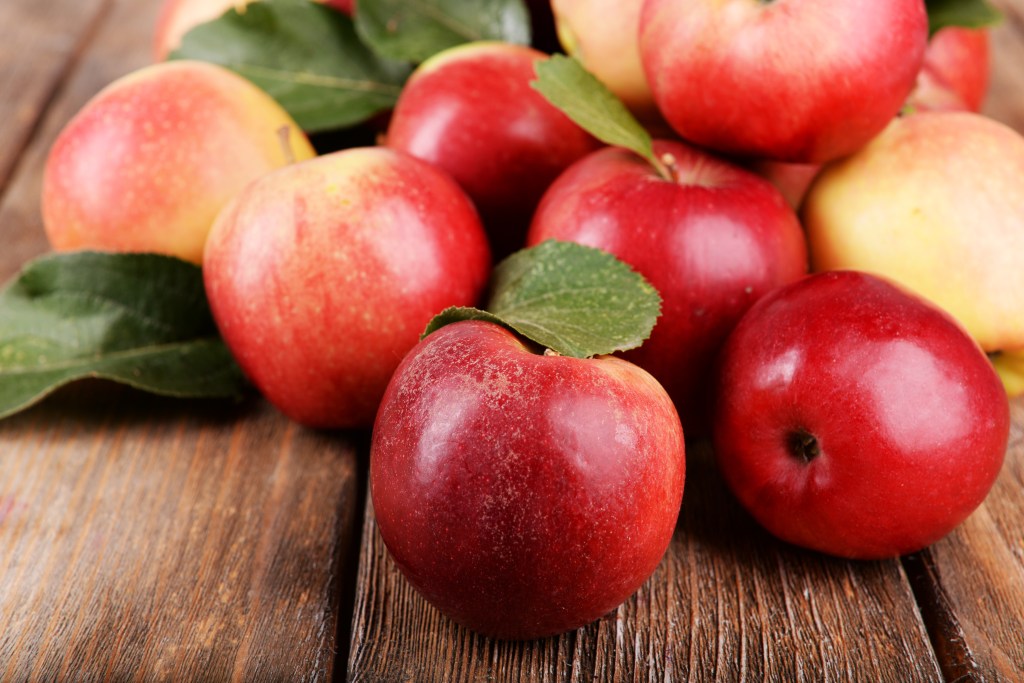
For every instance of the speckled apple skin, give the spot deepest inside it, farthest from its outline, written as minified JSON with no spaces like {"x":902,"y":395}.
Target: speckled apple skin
{"x":712,"y":243}
{"x":790,"y":80}
{"x":470,"y":110}
{"x":146,"y":165}
{"x":322,"y":276}
{"x":909,"y":416}
{"x":523,"y":494}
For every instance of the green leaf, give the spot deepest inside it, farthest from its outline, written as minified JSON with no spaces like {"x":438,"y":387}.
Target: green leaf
{"x":575,"y":300}
{"x":139,"y":319}
{"x":306,"y":55}
{"x":567,"y":85}
{"x":415,"y":30}
{"x":967,"y":13}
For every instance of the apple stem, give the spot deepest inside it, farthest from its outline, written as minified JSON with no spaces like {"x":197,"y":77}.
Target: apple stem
{"x":551,"y":352}
{"x":666,"y":166}
{"x":803,"y":445}
{"x":284,"y":136}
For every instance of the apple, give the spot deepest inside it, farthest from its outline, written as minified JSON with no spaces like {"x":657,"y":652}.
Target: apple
{"x":322,"y":276}
{"x":602,"y":34}
{"x":856,"y":419}
{"x":470,"y":111}
{"x":712,"y":240}
{"x":955,"y":72}
{"x":150,"y":160}
{"x":792,"y":180}
{"x":935,"y":203}
{"x":178,"y":17}
{"x":522,"y":493}
{"x":789,"y":80}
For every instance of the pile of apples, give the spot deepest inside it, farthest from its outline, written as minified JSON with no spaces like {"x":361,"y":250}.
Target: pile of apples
{"x":526,"y":493}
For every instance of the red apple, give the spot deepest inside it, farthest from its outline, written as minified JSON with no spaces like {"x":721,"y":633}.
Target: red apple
{"x":712,"y":241}
{"x":148,"y":163}
{"x":788,"y":80}
{"x":955,"y":71}
{"x":178,"y":17}
{"x":856,"y":419}
{"x":470,"y":110}
{"x":792,"y":180}
{"x":523,"y":494}
{"x":323,"y":275}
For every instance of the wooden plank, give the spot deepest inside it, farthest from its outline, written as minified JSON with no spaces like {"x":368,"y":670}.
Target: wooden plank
{"x":147,"y":539}
{"x":728,"y":602}
{"x":38,"y":43}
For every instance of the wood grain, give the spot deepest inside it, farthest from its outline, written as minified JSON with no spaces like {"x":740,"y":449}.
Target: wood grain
{"x":38,"y":43}
{"x":147,"y":539}
{"x":727,"y":603}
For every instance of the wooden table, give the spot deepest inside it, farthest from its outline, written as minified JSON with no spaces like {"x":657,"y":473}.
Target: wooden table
{"x":147,"y":539}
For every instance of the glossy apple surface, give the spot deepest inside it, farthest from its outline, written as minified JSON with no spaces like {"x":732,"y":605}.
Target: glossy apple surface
{"x":712,"y":242}
{"x":323,"y":275}
{"x":935,"y":203}
{"x":856,"y":419}
{"x":470,"y":110}
{"x":150,"y":160}
{"x":955,"y":73}
{"x":788,"y":80}
{"x":178,"y":17}
{"x":523,"y":494}
{"x":602,"y":34}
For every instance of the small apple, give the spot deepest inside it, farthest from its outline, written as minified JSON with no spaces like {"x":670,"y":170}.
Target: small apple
{"x":792,"y":180}
{"x":178,"y":17}
{"x":322,"y":276}
{"x":150,"y":160}
{"x":712,"y":241}
{"x":602,"y":34}
{"x":935,"y":203}
{"x":470,"y":111}
{"x":856,"y":419}
{"x":788,"y":80}
{"x":523,"y":494}
{"x":955,"y":72}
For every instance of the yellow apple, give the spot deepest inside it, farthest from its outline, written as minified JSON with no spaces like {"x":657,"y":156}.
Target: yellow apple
{"x":936,"y":202}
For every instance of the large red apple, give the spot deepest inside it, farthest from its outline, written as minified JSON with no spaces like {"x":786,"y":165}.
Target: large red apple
{"x":148,"y":163}
{"x":470,"y":110}
{"x":789,"y":80}
{"x":955,"y":72}
{"x":322,"y":276}
{"x":522,"y":493}
{"x":856,"y":419}
{"x":712,"y":240}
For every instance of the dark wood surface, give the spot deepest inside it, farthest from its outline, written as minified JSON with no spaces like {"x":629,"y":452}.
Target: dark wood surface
{"x":148,"y":539}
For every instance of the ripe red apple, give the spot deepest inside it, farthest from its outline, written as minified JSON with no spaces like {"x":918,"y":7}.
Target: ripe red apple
{"x":470,"y":110}
{"x":178,"y":17}
{"x":712,"y":241}
{"x":523,"y":494}
{"x":150,"y":160}
{"x":788,"y":80}
{"x":322,"y":276}
{"x":602,"y":34}
{"x":792,"y":180}
{"x":955,"y":71}
{"x":856,"y":419}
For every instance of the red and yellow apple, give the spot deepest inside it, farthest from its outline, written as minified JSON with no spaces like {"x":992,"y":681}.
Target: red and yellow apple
{"x":148,"y":163}
{"x":524,"y":494}
{"x":787,"y":80}
{"x":322,"y":276}
{"x":955,"y":73}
